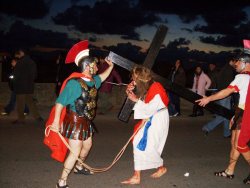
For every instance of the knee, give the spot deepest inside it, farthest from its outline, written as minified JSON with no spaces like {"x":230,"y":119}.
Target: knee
{"x":88,"y":146}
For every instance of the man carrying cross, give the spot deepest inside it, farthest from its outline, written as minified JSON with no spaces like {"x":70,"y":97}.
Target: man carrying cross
{"x":151,"y":103}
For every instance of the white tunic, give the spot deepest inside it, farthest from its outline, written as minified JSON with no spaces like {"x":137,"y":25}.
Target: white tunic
{"x":157,"y":133}
{"x":240,"y":83}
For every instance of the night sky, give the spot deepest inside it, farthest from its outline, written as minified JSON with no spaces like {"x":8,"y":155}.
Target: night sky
{"x":198,"y":31}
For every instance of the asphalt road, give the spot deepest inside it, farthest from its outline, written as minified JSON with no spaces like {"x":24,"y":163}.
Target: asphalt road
{"x":25,"y":162}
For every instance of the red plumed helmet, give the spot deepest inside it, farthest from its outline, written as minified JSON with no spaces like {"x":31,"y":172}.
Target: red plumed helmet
{"x":78,"y":51}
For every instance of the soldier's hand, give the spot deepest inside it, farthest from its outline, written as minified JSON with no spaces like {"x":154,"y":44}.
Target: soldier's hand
{"x":109,"y":62}
{"x":203,"y":102}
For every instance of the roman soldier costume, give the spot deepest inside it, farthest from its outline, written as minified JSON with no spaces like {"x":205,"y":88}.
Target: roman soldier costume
{"x":78,"y":96}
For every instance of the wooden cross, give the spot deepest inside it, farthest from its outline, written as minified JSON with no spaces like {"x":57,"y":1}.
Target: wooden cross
{"x":126,"y":110}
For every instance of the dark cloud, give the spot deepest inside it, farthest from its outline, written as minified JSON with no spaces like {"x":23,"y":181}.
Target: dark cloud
{"x":74,"y":1}
{"x":21,"y":35}
{"x":225,"y":22}
{"x":178,"y":42}
{"x":128,"y":50}
{"x":114,"y":17}
{"x":175,"y":50}
{"x":230,"y":40}
{"x":225,"y":18}
{"x":187,"y":29}
{"x":189,"y":10}
{"x":28,"y":9}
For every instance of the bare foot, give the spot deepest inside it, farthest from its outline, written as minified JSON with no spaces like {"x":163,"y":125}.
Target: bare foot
{"x":132,"y":181}
{"x":161,"y":170}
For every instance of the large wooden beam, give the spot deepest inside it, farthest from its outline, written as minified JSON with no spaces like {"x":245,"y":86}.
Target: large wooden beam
{"x":154,"y":49}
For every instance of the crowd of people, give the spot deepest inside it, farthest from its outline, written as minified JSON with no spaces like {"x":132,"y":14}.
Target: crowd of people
{"x":89,"y":89}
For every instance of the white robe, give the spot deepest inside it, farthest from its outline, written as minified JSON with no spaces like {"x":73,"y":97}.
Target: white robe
{"x":157,"y":133}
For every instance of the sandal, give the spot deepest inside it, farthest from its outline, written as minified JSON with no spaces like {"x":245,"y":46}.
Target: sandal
{"x":83,"y":171}
{"x":64,"y":186}
{"x":247,"y":180}
{"x":224,"y":174}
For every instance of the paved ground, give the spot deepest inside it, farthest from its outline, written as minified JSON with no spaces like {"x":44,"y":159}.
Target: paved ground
{"x":25,"y":161}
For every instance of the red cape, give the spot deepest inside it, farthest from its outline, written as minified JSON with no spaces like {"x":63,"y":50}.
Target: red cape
{"x":244,"y":136}
{"x":155,"y":88}
{"x":53,"y":141}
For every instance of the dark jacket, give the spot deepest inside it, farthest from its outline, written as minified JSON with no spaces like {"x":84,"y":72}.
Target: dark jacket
{"x":213,"y":75}
{"x":11,"y":78}
{"x":25,"y":74}
{"x":225,"y":77}
{"x":178,"y":77}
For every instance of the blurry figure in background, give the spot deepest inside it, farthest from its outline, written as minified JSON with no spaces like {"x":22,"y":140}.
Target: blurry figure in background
{"x":213,"y":75}
{"x":104,"y":93}
{"x":12,"y":102}
{"x":60,"y":76}
{"x":224,"y":77}
{"x":151,"y":102}
{"x":200,"y":85}
{"x":177,"y":76}
{"x":25,"y":74}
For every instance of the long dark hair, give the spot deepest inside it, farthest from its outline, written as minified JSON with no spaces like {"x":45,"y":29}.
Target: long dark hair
{"x":143,"y":78}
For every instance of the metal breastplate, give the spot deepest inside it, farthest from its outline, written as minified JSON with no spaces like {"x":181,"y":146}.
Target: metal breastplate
{"x":86,"y":103}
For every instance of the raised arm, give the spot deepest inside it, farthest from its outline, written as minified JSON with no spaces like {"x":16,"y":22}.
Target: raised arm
{"x":106,"y":73}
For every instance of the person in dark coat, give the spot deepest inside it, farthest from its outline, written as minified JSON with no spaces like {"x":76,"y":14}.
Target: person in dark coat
{"x":25,"y":74}
{"x":177,"y":76}
{"x":12,"y":102}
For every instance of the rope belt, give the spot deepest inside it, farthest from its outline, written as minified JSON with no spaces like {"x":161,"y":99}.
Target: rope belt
{"x":117,"y":157}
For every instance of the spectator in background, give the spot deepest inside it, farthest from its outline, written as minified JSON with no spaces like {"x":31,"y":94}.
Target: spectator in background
{"x":59,"y":68}
{"x":212,"y":74}
{"x":25,"y":74}
{"x":12,"y":102}
{"x":177,"y":76}
{"x":223,"y":79}
{"x":200,"y":85}
{"x":104,"y":93}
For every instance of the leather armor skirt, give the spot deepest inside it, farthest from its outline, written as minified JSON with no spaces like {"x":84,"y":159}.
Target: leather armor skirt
{"x":76,"y":127}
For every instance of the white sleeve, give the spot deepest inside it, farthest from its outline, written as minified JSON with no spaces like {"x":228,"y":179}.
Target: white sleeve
{"x":145,"y":110}
{"x":238,"y":82}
